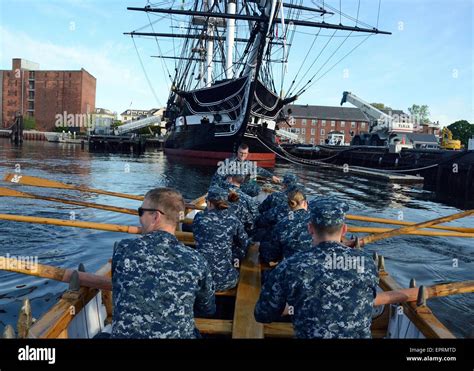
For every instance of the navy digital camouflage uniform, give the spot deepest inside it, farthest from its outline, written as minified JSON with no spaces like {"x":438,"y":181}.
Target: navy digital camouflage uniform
{"x":266,"y":222}
{"x":277,"y":198}
{"x":251,"y":188}
{"x":290,"y":235}
{"x":246,"y":208}
{"x":326,"y":300}
{"x":220,"y":237}
{"x":159,"y":285}
{"x":220,"y":179}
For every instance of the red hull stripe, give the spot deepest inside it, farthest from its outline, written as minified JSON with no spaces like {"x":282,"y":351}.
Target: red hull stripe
{"x":264,"y":157}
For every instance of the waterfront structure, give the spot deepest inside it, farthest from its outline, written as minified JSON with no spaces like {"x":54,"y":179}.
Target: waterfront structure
{"x":44,"y":94}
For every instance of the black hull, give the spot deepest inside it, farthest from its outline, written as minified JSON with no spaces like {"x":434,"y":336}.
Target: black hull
{"x":199,"y":141}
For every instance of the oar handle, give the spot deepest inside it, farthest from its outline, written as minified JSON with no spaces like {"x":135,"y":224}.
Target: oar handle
{"x":59,"y":274}
{"x":411,"y":294}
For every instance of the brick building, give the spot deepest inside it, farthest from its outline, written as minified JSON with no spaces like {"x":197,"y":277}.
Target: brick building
{"x":314,"y":123}
{"x":43,"y":94}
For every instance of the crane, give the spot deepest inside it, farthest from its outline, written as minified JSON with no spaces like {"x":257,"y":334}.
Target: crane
{"x":383,"y":128}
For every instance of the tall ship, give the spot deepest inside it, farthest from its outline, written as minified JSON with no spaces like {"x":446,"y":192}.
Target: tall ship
{"x":230,"y":60}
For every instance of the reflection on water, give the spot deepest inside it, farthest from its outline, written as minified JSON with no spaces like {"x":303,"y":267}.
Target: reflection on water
{"x":427,"y":259}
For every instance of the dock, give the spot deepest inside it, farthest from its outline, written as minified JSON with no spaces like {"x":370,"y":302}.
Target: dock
{"x":117,"y":143}
{"x":389,"y":177}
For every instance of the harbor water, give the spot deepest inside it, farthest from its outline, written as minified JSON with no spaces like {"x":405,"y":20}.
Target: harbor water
{"x":430,"y":260}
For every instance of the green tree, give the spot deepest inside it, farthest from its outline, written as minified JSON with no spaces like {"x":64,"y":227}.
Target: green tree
{"x":462,"y":130}
{"x":29,"y":123}
{"x":421,"y":113}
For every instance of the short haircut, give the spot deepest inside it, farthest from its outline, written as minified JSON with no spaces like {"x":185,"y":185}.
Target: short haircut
{"x":239,"y":179}
{"x":169,"y":201}
{"x":244,"y":146}
{"x":323,"y":230}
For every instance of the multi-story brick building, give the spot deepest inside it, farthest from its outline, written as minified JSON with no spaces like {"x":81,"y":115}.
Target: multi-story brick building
{"x":44,"y":94}
{"x":314,"y":123}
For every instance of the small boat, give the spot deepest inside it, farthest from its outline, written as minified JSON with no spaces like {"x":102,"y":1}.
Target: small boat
{"x":83,"y":312}
{"x":52,"y":137}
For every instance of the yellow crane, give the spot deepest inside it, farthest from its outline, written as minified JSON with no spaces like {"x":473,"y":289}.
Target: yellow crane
{"x":447,"y":141}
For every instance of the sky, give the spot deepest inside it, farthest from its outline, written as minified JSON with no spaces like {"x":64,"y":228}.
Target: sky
{"x":428,"y":59}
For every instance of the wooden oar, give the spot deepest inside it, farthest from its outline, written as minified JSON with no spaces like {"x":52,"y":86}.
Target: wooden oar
{"x":100,"y":282}
{"x":436,"y":291}
{"x":400,"y":222}
{"x":7,"y":192}
{"x":411,"y":228}
{"x":357,"y":229}
{"x":185,"y":237}
{"x":54,"y":273}
{"x":46,"y":183}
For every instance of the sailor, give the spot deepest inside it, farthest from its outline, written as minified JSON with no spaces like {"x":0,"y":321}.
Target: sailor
{"x":280,"y":197}
{"x":220,"y":237}
{"x":242,"y":205}
{"x":251,"y":188}
{"x":273,"y":209}
{"x":159,"y":284}
{"x":329,"y":290}
{"x":290,"y":234}
{"x":240,"y":165}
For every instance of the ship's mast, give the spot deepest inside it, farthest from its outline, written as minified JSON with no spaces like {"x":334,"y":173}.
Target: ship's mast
{"x":210,"y":44}
{"x":231,"y":9}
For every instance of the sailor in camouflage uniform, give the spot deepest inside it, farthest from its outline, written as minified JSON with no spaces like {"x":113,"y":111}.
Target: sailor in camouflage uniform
{"x":290,"y":234}
{"x":239,"y":165}
{"x":330,"y":289}
{"x":280,"y":197}
{"x":251,"y":188}
{"x":243,"y":206}
{"x":159,"y":284}
{"x":220,"y":237}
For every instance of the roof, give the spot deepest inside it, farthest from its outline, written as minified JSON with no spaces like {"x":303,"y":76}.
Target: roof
{"x":135,"y":112}
{"x":103,"y":111}
{"x":418,"y":137}
{"x":327,"y":112}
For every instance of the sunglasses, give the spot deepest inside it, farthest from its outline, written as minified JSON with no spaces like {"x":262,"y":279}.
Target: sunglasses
{"x":142,"y":210}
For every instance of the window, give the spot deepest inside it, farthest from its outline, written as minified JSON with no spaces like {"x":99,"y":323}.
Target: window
{"x":31,"y":85}
{"x":31,"y":95}
{"x":297,"y":130}
{"x":31,"y":105}
{"x":311,"y":141}
{"x":333,"y":123}
{"x":321,"y":141}
{"x":362,"y":125}
{"x":353,"y":124}
{"x":323,"y":132}
{"x":32,"y":74}
{"x":313,"y":122}
{"x":313,"y":131}
{"x":303,"y":122}
{"x":343,"y":124}
{"x":323,"y":122}
{"x":303,"y":131}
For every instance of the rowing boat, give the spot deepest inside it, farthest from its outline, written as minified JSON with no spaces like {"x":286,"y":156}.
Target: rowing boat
{"x":83,"y":312}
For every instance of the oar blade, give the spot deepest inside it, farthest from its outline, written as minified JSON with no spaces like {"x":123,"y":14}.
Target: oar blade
{"x":35,"y":181}
{"x":7,"y":192}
